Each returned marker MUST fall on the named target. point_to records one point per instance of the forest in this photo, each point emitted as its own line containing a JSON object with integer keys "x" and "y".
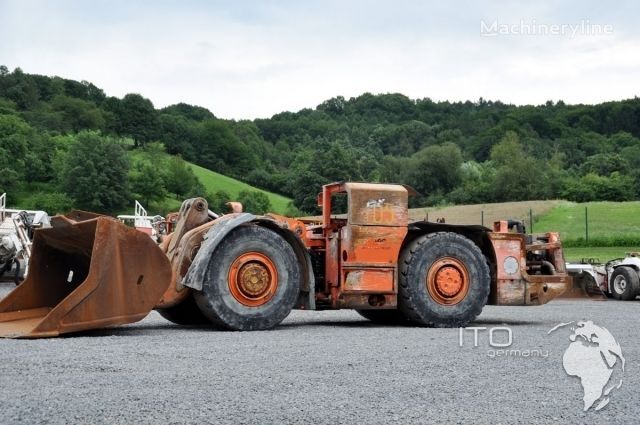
{"x": 68, "y": 144}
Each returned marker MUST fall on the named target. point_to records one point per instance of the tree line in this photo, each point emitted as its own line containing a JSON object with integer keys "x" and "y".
{"x": 450, "y": 152}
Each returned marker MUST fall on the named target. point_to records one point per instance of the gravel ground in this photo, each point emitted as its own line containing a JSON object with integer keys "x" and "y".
{"x": 317, "y": 367}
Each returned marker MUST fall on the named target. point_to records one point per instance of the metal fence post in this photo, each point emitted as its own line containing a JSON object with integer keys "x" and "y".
{"x": 530, "y": 221}
{"x": 586, "y": 224}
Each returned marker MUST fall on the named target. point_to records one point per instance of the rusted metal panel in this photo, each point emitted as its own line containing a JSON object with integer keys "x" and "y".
{"x": 368, "y": 239}
{"x": 369, "y": 280}
{"x": 292, "y": 224}
{"x": 377, "y": 204}
{"x": 376, "y": 245}
{"x": 181, "y": 259}
{"x": 181, "y": 247}
{"x": 332, "y": 264}
{"x": 193, "y": 213}
{"x": 85, "y": 275}
{"x": 362, "y": 301}
{"x": 509, "y": 246}
{"x": 514, "y": 284}
{"x": 368, "y": 258}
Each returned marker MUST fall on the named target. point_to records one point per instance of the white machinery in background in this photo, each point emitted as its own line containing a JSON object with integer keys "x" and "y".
{"x": 16, "y": 234}
{"x": 623, "y": 276}
{"x": 154, "y": 226}
{"x": 618, "y": 278}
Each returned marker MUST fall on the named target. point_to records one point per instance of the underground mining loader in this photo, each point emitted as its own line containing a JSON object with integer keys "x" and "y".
{"x": 245, "y": 272}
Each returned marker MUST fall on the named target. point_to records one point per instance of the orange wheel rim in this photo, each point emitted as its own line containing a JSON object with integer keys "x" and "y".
{"x": 448, "y": 281}
{"x": 253, "y": 279}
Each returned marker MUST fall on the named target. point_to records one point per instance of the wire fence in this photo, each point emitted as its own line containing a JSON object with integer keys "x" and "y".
{"x": 593, "y": 225}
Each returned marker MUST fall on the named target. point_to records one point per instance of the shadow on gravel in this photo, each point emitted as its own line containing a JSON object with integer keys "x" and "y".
{"x": 150, "y": 330}
{"x": 335, "y": 324}
{"x": 362, "y": 324}
{"x": 509, "y": 322}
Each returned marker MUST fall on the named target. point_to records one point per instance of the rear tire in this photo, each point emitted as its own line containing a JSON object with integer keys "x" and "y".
{"x": 253, "y": 280}
{"x": 444, "y": 280}
{"x": 624, "y": 283}
{"x": 384, "y": 317}
{"x": 185, "y": 313}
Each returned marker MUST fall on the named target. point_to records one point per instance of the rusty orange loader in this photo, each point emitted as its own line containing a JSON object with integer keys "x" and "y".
{"x": 245, "y": 272}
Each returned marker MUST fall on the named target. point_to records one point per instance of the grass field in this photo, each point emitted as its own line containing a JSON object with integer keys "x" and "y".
{"x": 600, "y": 254}
{"x": 486, "y": 213}
{"x": 609, "y": 222}
{"x": 606, "y": 220}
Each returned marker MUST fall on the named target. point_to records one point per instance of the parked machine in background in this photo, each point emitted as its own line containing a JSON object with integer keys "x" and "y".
{"x": 618, "y": 278}
{"x": 155, "y": 226}
{"x": 246, "y": 272}
{"x": 586, "y": 281}
{"x": 16, "y": 232}
{"x": 623, "y": 276}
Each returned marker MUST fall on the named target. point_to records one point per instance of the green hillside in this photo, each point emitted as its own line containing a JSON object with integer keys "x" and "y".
{"x": 214, "y": 182}
{"x": 63, "y": 144}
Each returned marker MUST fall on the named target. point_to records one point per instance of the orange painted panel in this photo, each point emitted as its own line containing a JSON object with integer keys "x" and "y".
{"x": 370, "y": 280}
{"x": 509, "y": 247}
{"x": 378, "y": 245}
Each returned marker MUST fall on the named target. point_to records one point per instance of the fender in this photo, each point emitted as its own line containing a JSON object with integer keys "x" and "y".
{"x": 220, "y": 229}
{"x": 478, "y": 234}
{"x": 223, "y": 226}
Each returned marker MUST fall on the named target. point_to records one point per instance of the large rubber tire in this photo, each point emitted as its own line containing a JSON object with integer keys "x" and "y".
{"x": 18, "y": 277}
{"x": 436, "y": 253}
{"x": 185, "y": 313}
{"x": 384, "y": 317}
{"x": 624, "y": 283}
{"x": 225, "y": 310}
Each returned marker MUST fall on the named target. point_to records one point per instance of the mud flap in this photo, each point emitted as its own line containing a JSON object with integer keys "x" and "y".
{"x": 86, "y": 272}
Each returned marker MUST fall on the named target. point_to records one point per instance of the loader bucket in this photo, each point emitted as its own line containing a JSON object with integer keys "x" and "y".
{"x": 584, "y": 286}
{"x": 86, "y": 274}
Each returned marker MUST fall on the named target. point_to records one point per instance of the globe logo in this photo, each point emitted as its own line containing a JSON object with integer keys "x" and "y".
{"x": 592, "y": 355}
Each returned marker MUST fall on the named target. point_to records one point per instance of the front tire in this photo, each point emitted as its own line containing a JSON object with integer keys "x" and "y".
{"x": 252, "y": 282}
{"x": 444, "y": 280}
{"x": 185, "y": 313}
{"x": 624, "y": 283}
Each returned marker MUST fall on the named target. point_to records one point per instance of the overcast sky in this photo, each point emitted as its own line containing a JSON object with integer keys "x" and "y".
{"x": 249, "y": 59}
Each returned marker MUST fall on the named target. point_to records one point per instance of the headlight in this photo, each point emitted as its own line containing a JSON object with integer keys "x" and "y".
{"x": 511, "y": 265}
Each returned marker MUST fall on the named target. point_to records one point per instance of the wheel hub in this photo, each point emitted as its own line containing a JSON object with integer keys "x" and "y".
{"x": 253, "y": 279}
{"x": 620, "y": 284}
{"x": 448, "y": 281}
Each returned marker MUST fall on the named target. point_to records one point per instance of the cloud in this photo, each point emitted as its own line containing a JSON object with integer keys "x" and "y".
{"x": 260, "y": 58}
